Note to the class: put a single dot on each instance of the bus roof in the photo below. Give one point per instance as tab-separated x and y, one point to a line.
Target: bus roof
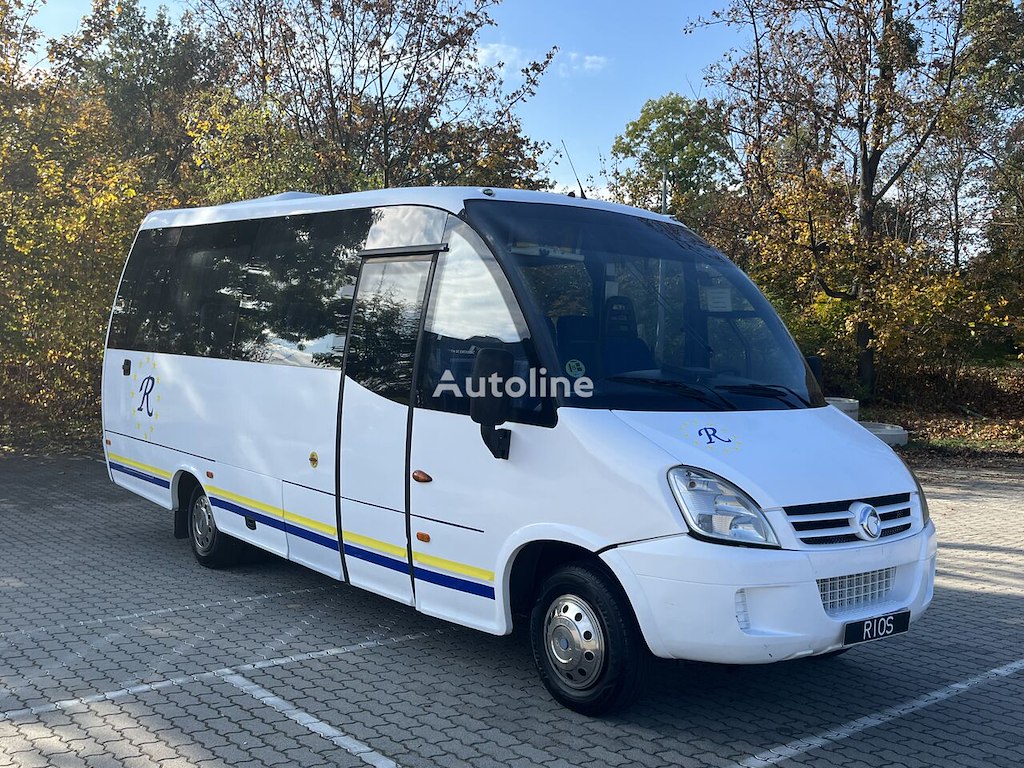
451	199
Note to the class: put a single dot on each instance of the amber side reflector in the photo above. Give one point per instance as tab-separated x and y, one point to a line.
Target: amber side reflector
107	441
209	474
422	536
421	477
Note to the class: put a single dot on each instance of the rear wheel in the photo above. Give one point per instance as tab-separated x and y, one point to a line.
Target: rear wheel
211	548
586	644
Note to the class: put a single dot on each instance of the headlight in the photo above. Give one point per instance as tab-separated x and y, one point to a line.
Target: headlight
921	498
716	508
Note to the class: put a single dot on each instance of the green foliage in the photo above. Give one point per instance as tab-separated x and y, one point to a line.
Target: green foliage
682	141
242	150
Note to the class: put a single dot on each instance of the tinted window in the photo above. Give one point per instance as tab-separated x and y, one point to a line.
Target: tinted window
655	317
188	298
153	249
385	325
402	226
299	286
472	308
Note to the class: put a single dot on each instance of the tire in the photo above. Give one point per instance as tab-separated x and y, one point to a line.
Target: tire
212	549
586	643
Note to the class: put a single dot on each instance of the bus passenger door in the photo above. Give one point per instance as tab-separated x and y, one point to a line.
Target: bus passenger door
376	390
463	500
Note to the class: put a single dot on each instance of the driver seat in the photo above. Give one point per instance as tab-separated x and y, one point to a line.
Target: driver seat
624	350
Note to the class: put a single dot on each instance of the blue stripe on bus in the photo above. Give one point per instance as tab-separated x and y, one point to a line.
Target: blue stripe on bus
140	475
402	566
257	516
441	579
316	538
274	522
453	582
377	559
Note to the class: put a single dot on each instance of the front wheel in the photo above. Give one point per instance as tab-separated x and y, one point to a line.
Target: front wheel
212	548
586	644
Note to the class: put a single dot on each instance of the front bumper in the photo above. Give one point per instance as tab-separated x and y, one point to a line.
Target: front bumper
738	605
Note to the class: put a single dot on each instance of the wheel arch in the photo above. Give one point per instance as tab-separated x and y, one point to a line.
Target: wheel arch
535	557
183	485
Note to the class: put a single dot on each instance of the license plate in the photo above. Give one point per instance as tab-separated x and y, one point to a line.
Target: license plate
876	628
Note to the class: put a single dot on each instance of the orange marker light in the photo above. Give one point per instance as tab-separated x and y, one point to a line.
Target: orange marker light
209	474
422	536
107	441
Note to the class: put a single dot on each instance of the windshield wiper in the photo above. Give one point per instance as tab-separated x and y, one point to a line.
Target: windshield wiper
708	397
779	391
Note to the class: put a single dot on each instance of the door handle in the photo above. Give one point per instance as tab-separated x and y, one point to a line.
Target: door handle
126	367
421	477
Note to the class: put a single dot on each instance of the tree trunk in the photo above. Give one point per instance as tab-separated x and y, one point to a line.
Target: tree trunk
866	374
865	360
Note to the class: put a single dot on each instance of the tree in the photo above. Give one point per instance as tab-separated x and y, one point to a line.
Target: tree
385	92
244	150
681	140
71	200
850	90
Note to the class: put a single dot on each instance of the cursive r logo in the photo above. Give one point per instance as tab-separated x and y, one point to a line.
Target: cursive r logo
711	435
146	388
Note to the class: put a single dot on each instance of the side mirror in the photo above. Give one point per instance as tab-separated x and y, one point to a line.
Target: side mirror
815	363
491	369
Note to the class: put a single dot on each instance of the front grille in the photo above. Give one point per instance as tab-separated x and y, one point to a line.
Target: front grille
832	522
842	594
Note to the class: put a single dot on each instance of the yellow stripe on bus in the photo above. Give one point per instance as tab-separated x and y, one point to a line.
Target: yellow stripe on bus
430	560
453	567
380	546
268	508
307	522
139	465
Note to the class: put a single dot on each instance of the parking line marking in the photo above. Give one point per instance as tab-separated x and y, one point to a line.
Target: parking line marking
123	693
319	727
825	738
163	611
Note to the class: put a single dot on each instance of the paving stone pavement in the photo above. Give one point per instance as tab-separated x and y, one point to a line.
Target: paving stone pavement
117	649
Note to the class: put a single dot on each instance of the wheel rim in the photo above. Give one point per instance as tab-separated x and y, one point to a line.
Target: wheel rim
203	529
574	642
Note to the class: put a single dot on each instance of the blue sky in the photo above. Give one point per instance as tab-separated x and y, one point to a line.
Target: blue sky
613	56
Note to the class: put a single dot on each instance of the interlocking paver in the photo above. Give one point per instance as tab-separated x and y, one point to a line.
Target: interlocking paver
96	595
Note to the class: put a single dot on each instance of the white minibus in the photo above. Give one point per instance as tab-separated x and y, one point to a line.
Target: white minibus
500	406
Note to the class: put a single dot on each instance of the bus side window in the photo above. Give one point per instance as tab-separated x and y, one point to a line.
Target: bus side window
153	249
188	297
385	324
298	289
471	307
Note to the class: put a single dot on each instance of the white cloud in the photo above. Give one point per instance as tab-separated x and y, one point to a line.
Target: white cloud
573	63
508	58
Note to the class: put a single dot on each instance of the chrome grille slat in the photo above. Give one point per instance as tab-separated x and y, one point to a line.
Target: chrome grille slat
823	516
832	523
845	594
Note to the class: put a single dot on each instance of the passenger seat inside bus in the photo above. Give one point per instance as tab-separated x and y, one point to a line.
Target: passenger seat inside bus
624	350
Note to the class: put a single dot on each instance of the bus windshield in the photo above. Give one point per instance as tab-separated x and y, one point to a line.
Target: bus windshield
653	315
